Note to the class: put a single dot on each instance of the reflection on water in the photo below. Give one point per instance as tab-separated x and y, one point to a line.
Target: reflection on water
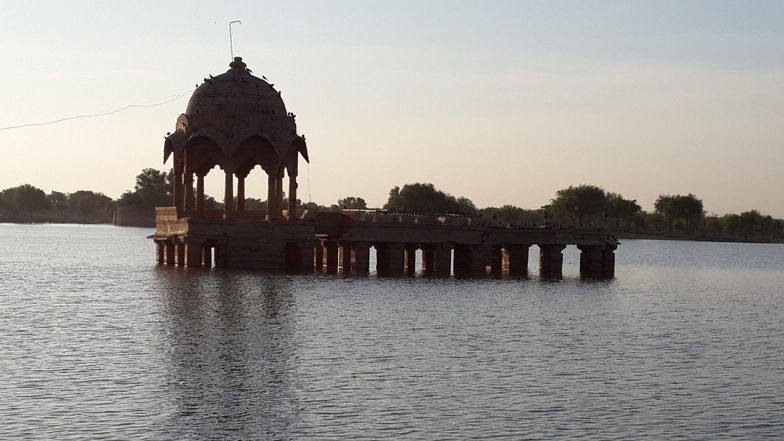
230	353
687	342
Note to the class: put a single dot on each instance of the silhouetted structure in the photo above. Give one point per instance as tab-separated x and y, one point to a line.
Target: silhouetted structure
237	121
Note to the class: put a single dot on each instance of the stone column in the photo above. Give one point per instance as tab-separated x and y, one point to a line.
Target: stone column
428	258
200	193
190	200
496	262
443	259
331	248
345	257
515	259
193	254
360	257
292	197
279	195
178	192
271	198
470	259
240	193
160	252
180	249
170	252
591	260
390	258
228	196
222	256
206	256
608	261
551	261
410	259
307	257
319	257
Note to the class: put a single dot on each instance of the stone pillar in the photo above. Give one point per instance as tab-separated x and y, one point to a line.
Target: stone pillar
551	261
160	252
515	259
170	252
271	198
240	193
178	191
279	195
591	260
360	257
389	258
200	193
496	260
443	259
307	257
190	199
608	260
206	256
428	259
222	256
292	197
331	248
319	257
345	257
180	250
410	258
470	259
193	254
228	196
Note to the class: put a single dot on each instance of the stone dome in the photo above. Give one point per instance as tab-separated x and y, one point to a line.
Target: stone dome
237	100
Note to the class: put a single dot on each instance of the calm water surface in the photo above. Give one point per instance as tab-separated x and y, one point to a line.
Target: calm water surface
686	342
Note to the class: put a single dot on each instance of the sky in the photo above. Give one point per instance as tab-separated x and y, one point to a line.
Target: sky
503	102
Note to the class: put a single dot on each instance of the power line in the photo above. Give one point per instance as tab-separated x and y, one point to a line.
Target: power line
95	115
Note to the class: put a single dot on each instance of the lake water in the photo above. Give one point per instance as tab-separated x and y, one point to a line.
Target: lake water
97	342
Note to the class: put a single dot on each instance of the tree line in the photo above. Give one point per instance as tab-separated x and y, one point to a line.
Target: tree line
584	206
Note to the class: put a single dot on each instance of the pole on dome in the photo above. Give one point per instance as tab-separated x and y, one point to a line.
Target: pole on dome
231	43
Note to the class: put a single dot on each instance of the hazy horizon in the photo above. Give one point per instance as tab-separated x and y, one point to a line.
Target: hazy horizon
500	102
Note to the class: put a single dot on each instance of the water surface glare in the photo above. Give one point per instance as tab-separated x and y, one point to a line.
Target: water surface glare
686	342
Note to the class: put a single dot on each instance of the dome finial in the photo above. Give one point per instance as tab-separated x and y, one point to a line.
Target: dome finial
237	64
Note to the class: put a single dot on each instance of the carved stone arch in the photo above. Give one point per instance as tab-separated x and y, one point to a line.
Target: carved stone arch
261	151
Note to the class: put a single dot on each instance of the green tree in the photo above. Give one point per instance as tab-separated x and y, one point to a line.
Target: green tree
618	208
578	204
153	189
425	197
512	215
58	201
687	209
29	199
352	202
90	204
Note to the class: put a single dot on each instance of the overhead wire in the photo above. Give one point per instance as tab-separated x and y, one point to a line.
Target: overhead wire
95	115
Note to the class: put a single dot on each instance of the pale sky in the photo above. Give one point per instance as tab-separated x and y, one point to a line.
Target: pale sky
503	102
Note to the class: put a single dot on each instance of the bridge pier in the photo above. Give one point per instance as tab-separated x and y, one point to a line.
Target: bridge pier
331	249
410	263
360	257
551	261
390	258
591	260
470	259
515	259
193	253
608	260
496	260
345	257
319	257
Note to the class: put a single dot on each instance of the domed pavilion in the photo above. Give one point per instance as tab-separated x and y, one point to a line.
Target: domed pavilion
235	121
